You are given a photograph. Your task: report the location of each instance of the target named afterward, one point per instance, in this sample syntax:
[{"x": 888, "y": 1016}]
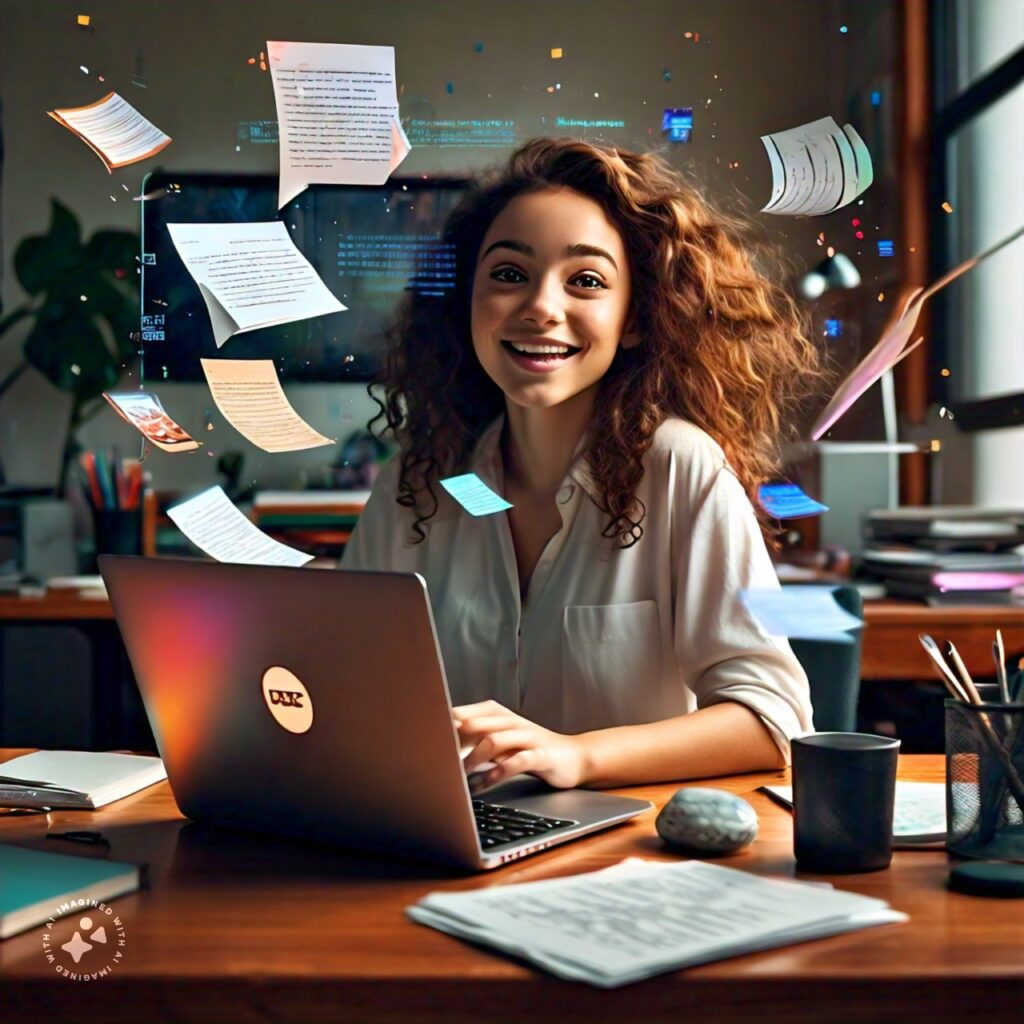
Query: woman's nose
[{"x": 542, "y": 305}]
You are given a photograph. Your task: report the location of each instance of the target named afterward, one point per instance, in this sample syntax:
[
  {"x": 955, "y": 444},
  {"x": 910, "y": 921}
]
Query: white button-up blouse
[{"x": 606, "y": 636}]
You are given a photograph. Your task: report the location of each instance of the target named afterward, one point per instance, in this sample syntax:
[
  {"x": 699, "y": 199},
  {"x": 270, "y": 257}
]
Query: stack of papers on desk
[
  {"x": 640, "y": 918},
  {"x": 75, "y": 779}
]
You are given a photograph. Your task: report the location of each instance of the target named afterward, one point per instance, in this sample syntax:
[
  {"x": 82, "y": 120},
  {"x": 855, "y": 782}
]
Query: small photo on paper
[{"x": 144, "y": 411}]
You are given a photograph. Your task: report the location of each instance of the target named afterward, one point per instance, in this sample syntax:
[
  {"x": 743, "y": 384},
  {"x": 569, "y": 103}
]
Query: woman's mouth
[{"x": 540, "y": 356}]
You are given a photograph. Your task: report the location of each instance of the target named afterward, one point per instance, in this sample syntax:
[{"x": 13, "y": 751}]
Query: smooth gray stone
[{"x": 707, "y": 821}]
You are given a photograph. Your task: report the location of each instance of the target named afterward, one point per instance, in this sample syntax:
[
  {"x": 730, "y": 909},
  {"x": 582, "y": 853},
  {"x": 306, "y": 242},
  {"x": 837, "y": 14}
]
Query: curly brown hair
[{"x": 722, "y": 346}]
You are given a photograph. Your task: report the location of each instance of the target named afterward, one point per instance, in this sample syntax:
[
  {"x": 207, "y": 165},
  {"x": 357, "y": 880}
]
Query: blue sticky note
[
  {"x": 802, "y": 612},
  {"x": 474, "y": 495},
  {"x": 788, "y": 501}
]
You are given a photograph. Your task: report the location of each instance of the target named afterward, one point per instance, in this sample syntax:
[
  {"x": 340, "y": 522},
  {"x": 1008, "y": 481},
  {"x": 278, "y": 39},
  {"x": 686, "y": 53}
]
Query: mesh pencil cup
[{"x": 985, "y": 780}]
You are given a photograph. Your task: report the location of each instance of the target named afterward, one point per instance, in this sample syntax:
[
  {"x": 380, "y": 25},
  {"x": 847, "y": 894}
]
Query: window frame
[{"x": 949, "y": 116}]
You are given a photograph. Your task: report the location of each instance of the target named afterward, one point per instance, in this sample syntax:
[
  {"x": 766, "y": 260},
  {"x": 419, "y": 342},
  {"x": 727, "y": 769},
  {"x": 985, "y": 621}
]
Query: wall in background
[{"x": 749, "y": 67}]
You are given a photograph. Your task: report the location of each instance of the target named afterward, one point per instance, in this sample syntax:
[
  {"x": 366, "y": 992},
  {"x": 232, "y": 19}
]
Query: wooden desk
[
  {"x": 891, "y": 650},
  {"x": 245, "y": 928},
  {"x": 55, "y": 606}
]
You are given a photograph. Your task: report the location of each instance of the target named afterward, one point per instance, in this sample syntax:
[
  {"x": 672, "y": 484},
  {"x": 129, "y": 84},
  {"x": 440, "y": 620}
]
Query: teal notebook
[{"x": 33, "y": 884}]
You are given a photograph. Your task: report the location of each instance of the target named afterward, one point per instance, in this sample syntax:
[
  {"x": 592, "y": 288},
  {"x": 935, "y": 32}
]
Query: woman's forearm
[{"x": 724, "y": 739}]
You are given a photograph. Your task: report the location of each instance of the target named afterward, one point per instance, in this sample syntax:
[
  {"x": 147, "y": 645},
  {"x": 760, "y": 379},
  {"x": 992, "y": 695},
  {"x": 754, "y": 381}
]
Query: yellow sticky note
[
  {"x": 556, "y": 52},
  {"x": 84, "y": 19}
]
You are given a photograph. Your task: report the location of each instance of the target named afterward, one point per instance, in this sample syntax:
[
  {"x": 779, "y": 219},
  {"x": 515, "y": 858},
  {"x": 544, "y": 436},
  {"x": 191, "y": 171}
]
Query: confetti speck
[
  {"x": 556, "y": 53},
  {"x": 84, "y": 298},
  {"x": 83, "y": 69},
  {"x": 83, "y": 20},
  {"x": 843, "y": 29},
  {"x": 945, "y": 371},
  {"x": 947, "y": 207},
  {"x": 881, "y": 296}
]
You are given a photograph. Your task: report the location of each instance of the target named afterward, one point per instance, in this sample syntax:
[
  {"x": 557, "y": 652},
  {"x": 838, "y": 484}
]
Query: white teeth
[{"x": 533, "y": 350}]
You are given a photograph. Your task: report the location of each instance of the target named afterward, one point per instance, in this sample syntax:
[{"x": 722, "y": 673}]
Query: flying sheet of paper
[
  {"x": 893, "y": 344},
  {"x": 251, "y": 275},
  {"x": 144, "y": 411},
  {"x": 788, "y": 501},
  {"x": 337, "y": 109},
  {"x": 114, "y": 130},
  {"x": 801, "y": 612},
  {"x": 219, "y": 528},
  {"x": 474, "y": 495},
  {"x": 816, "y": 168},
  {"x": 250, "y": 397},
  {"x": 639, "y": 918}
]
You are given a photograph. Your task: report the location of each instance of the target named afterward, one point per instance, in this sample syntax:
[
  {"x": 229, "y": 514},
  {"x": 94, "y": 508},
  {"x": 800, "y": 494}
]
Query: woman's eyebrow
[
  {"x": 582, "y": 249},
  {"x": 509, "y": 243},
  {"x": 579, "y": 249}
]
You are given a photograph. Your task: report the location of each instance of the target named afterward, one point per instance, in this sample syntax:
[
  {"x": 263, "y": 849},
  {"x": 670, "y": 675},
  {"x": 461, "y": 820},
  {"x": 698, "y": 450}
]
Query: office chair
[{"x": 833, "y": 670}]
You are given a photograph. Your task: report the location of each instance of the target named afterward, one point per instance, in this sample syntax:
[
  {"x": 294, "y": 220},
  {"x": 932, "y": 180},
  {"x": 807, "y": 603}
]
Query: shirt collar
[{"x": 486, "y": 462}]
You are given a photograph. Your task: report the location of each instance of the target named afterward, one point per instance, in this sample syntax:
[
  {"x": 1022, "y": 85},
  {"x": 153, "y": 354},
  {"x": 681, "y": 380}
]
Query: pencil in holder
[{"x": 985, "y": 780}]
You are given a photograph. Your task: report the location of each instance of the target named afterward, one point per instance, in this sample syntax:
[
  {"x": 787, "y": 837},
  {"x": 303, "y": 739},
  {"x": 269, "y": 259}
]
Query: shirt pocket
[{"x": 611, "y": 664}]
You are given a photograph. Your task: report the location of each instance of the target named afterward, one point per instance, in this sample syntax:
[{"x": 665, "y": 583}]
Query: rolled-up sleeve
[{"x": 723, "y": 652}]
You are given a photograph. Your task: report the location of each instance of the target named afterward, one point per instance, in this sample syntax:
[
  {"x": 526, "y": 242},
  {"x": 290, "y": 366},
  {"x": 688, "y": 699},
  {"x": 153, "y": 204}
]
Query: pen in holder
[{"x": 984, "y": 787}]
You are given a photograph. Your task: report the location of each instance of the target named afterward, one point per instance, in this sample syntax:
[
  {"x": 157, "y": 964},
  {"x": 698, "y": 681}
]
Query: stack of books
[
  {"x": 317, "y": 522},
  {"x": 946, "y": 554}
]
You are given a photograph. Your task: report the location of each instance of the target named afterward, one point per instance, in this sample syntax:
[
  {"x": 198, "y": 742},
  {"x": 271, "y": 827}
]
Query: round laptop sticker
[{"x": 288, "y": 700}]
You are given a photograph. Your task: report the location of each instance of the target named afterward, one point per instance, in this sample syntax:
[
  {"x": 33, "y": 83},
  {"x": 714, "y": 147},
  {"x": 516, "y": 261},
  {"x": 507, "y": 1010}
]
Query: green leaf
[
  {"x": 59, "y": 346},
  {"x": 113, "y": 250},
  {"x": 40, "y": 261}
]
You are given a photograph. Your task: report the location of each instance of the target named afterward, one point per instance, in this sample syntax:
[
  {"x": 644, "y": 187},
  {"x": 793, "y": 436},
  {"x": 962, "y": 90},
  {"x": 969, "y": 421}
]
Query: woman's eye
[
  {"x": 508, "y": 275},
  {"x": 590, "y": 281}
]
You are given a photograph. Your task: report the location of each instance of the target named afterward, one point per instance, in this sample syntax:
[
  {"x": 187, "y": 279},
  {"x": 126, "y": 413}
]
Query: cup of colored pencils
[{"x": 113, "y": 487}]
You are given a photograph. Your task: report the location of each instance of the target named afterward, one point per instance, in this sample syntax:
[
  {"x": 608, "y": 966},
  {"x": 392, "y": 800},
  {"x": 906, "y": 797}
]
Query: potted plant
[{"x": 84, "y": 308}]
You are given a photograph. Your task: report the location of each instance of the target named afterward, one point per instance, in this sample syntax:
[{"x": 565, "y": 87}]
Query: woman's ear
[{"x": 631, "y": 338}]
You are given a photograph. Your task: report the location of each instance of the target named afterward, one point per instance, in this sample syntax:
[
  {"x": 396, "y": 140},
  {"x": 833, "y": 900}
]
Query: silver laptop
[{"x": 315, "y": 704}]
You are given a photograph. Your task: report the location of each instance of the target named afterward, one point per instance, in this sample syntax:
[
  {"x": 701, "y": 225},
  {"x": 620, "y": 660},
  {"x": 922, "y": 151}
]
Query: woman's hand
[{"x": 516, "y": 745}]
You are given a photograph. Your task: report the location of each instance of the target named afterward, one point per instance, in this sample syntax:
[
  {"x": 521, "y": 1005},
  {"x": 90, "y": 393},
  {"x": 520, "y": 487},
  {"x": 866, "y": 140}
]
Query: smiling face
[{"x": 551, "y": 297}]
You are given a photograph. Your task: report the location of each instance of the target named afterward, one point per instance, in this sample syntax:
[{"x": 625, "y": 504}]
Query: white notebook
[
  {"x": 919, "y": 814},
  {"x": 79, "y": 779},
  {"x": 639, "y": 918}
]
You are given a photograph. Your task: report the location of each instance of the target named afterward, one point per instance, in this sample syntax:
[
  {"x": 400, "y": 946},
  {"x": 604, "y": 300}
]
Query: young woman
[{"x": 611, "y": 363}]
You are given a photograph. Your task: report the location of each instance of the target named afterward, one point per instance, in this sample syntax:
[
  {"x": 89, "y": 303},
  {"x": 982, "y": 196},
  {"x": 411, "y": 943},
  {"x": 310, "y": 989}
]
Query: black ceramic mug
[{"x": 844, "y": 791}]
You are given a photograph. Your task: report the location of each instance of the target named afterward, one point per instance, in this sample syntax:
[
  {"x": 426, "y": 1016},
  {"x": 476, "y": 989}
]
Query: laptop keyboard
[{"x": 498, "y": 824}]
